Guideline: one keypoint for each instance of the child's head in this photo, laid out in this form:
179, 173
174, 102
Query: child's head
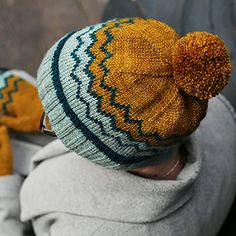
126, 93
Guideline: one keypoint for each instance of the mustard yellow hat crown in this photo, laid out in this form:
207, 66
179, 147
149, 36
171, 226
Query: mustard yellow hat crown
128, 90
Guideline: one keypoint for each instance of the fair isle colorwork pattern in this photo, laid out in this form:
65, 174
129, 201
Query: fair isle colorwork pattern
110, 96
8, 86
18, 96
20, 110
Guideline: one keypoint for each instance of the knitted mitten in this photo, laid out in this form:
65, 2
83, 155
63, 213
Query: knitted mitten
20, 110
5, 152
20, 107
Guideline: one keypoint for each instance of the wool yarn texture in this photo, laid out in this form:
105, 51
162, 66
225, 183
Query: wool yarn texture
20, 110
127, 92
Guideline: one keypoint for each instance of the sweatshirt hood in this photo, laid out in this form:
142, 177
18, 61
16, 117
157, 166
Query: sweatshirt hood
63, 181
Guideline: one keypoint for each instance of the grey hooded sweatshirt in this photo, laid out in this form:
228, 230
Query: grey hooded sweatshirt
67, 195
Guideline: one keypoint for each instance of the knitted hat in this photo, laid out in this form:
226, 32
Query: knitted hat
125, 93
20, 110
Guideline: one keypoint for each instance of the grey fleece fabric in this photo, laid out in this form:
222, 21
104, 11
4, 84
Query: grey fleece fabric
24, 147
67, 195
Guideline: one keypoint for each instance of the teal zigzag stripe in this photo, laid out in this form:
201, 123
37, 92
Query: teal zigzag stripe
111, 89
4, 82
99, 98
103, 148
88, 113
114, 91
10, 98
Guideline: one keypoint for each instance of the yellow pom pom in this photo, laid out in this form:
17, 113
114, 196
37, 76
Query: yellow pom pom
201, 64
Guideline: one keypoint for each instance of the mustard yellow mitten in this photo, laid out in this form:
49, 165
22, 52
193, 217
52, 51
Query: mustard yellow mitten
5, 152
20, 107
20, 110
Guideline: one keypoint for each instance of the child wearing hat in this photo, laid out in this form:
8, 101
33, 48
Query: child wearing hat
140, 148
